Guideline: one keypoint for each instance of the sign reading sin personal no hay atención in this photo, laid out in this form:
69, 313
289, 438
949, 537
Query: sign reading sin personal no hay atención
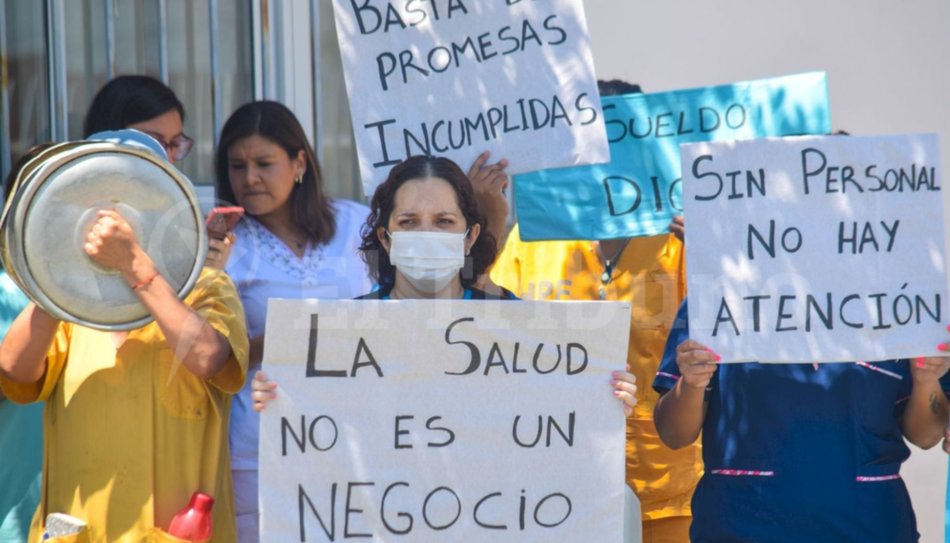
816, 248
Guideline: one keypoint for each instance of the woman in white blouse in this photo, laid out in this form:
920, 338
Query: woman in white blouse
293, 242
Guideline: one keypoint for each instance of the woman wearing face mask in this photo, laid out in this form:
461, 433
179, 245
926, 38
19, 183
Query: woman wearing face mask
294, 242
426, 238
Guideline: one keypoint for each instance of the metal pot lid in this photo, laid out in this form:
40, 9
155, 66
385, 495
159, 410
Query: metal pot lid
56, 206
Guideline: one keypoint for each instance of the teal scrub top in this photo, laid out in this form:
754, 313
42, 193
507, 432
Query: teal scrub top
21, 441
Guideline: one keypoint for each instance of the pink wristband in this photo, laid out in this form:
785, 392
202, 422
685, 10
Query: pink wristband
145, 282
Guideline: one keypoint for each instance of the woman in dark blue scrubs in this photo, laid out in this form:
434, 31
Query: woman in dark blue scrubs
799, 452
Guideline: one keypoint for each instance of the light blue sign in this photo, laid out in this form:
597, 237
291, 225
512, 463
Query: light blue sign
639, 191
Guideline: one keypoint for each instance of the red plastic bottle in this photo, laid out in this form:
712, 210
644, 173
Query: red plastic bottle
193, 523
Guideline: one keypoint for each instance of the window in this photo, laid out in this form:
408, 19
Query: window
61, 52
215, 54
26, 97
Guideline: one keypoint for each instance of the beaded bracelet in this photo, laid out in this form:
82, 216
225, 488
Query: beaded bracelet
145, 282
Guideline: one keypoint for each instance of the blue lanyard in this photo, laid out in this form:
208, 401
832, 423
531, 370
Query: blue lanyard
467, 295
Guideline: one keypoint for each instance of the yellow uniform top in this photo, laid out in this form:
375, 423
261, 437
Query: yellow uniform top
651, 275
130, 433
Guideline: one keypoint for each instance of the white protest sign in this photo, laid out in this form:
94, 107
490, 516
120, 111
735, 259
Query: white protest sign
815, 249
433, 421
458, 77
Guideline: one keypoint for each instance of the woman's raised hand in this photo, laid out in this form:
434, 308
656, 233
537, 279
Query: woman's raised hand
111, 242
489, 182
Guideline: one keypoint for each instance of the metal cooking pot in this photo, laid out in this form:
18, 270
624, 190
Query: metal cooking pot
55, 203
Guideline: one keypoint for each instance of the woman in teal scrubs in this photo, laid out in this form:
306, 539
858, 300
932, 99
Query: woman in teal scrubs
21, 426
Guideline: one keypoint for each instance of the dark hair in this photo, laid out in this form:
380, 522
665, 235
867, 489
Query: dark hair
17, 169
129, 99
483, 251
310, 208
18, 166
614, 87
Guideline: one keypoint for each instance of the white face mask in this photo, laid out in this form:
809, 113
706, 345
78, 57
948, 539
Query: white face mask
428, 260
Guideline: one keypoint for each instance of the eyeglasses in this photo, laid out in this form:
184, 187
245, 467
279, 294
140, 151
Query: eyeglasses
178, 148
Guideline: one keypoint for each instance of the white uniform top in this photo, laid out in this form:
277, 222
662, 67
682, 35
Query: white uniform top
263, 267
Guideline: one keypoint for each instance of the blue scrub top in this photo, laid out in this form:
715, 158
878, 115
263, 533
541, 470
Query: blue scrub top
793, 453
